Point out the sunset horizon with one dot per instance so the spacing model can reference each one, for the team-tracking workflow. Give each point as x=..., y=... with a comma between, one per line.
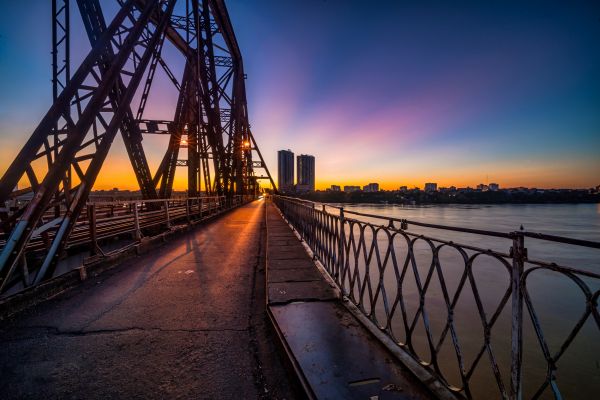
x=504, y=92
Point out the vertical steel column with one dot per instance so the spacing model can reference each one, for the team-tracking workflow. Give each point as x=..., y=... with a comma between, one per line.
x=61, y=75
x=61, y=70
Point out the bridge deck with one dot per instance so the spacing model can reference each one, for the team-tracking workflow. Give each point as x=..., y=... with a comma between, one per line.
x=185, y=321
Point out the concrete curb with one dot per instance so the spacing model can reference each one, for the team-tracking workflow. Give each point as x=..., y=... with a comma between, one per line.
x=291, y=363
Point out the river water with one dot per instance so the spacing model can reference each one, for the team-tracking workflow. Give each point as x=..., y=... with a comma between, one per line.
x=557, y=301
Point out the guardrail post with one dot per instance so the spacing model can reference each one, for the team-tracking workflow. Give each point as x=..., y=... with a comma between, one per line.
x=519, y=253
x=137, y=234
x=167, y=214
x=340, y=260
x=92, y=226
x=187, y=211
x=313, y=226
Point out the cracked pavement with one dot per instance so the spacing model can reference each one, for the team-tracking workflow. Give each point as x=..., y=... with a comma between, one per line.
x=184, y=321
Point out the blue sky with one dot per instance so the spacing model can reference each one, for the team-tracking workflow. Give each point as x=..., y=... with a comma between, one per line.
x=395, y=92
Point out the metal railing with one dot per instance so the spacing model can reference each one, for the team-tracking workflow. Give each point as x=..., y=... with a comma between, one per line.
x=107, y=219
x=435, y=299
x=118, y=225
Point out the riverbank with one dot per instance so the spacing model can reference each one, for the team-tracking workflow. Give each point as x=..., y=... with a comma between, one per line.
x=465, y=196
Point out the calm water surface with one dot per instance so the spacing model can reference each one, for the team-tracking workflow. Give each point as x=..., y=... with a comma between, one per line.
x=557, y=300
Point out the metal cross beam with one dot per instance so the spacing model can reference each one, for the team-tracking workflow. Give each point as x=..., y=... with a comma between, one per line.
x=65, y=153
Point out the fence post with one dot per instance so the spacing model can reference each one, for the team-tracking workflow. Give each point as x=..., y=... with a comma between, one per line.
x=167, y=214
x=340, y=260
x=92, y=223
x=201, y=205
x=313, y=227
x=187, y=210
x=137, y=234
x=519, y=253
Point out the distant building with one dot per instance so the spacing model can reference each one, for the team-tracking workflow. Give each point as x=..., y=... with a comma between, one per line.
x=285, y=171
x=303, y=188
x=350, y=188
x=306, y=171
x=336, y=188
x=482, y=187
x=371, y=187
x=494, y=187
x=431, y=187
x=403, y=188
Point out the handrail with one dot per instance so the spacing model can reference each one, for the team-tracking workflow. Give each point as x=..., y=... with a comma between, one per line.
x=138, y=201
x=535, y=235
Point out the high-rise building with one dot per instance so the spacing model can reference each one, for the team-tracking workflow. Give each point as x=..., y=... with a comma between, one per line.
x=306, y=171
x=431, y=187
x=285, y=171
x=371, y=187
x=336, y=188
x=494, y=187
x=351, y=188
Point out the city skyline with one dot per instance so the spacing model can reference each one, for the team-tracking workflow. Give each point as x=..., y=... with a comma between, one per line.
x=506, y=91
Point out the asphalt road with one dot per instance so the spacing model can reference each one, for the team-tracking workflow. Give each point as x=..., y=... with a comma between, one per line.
x=184, y=321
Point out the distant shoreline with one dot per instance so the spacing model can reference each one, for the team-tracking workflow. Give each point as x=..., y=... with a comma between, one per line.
x=418, y=197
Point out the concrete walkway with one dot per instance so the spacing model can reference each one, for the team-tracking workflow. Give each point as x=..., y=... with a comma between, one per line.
x=333, y=354
x=184, y=321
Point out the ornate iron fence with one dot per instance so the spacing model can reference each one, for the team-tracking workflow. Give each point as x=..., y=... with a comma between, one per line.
x=435, y=299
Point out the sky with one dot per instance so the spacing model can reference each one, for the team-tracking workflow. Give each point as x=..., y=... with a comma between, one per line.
x=394, y=92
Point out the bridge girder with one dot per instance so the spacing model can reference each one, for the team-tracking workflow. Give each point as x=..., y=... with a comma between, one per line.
x=96, y=102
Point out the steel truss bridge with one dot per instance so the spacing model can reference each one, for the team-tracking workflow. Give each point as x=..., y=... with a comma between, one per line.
x=107, y=95
x=404, y=281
